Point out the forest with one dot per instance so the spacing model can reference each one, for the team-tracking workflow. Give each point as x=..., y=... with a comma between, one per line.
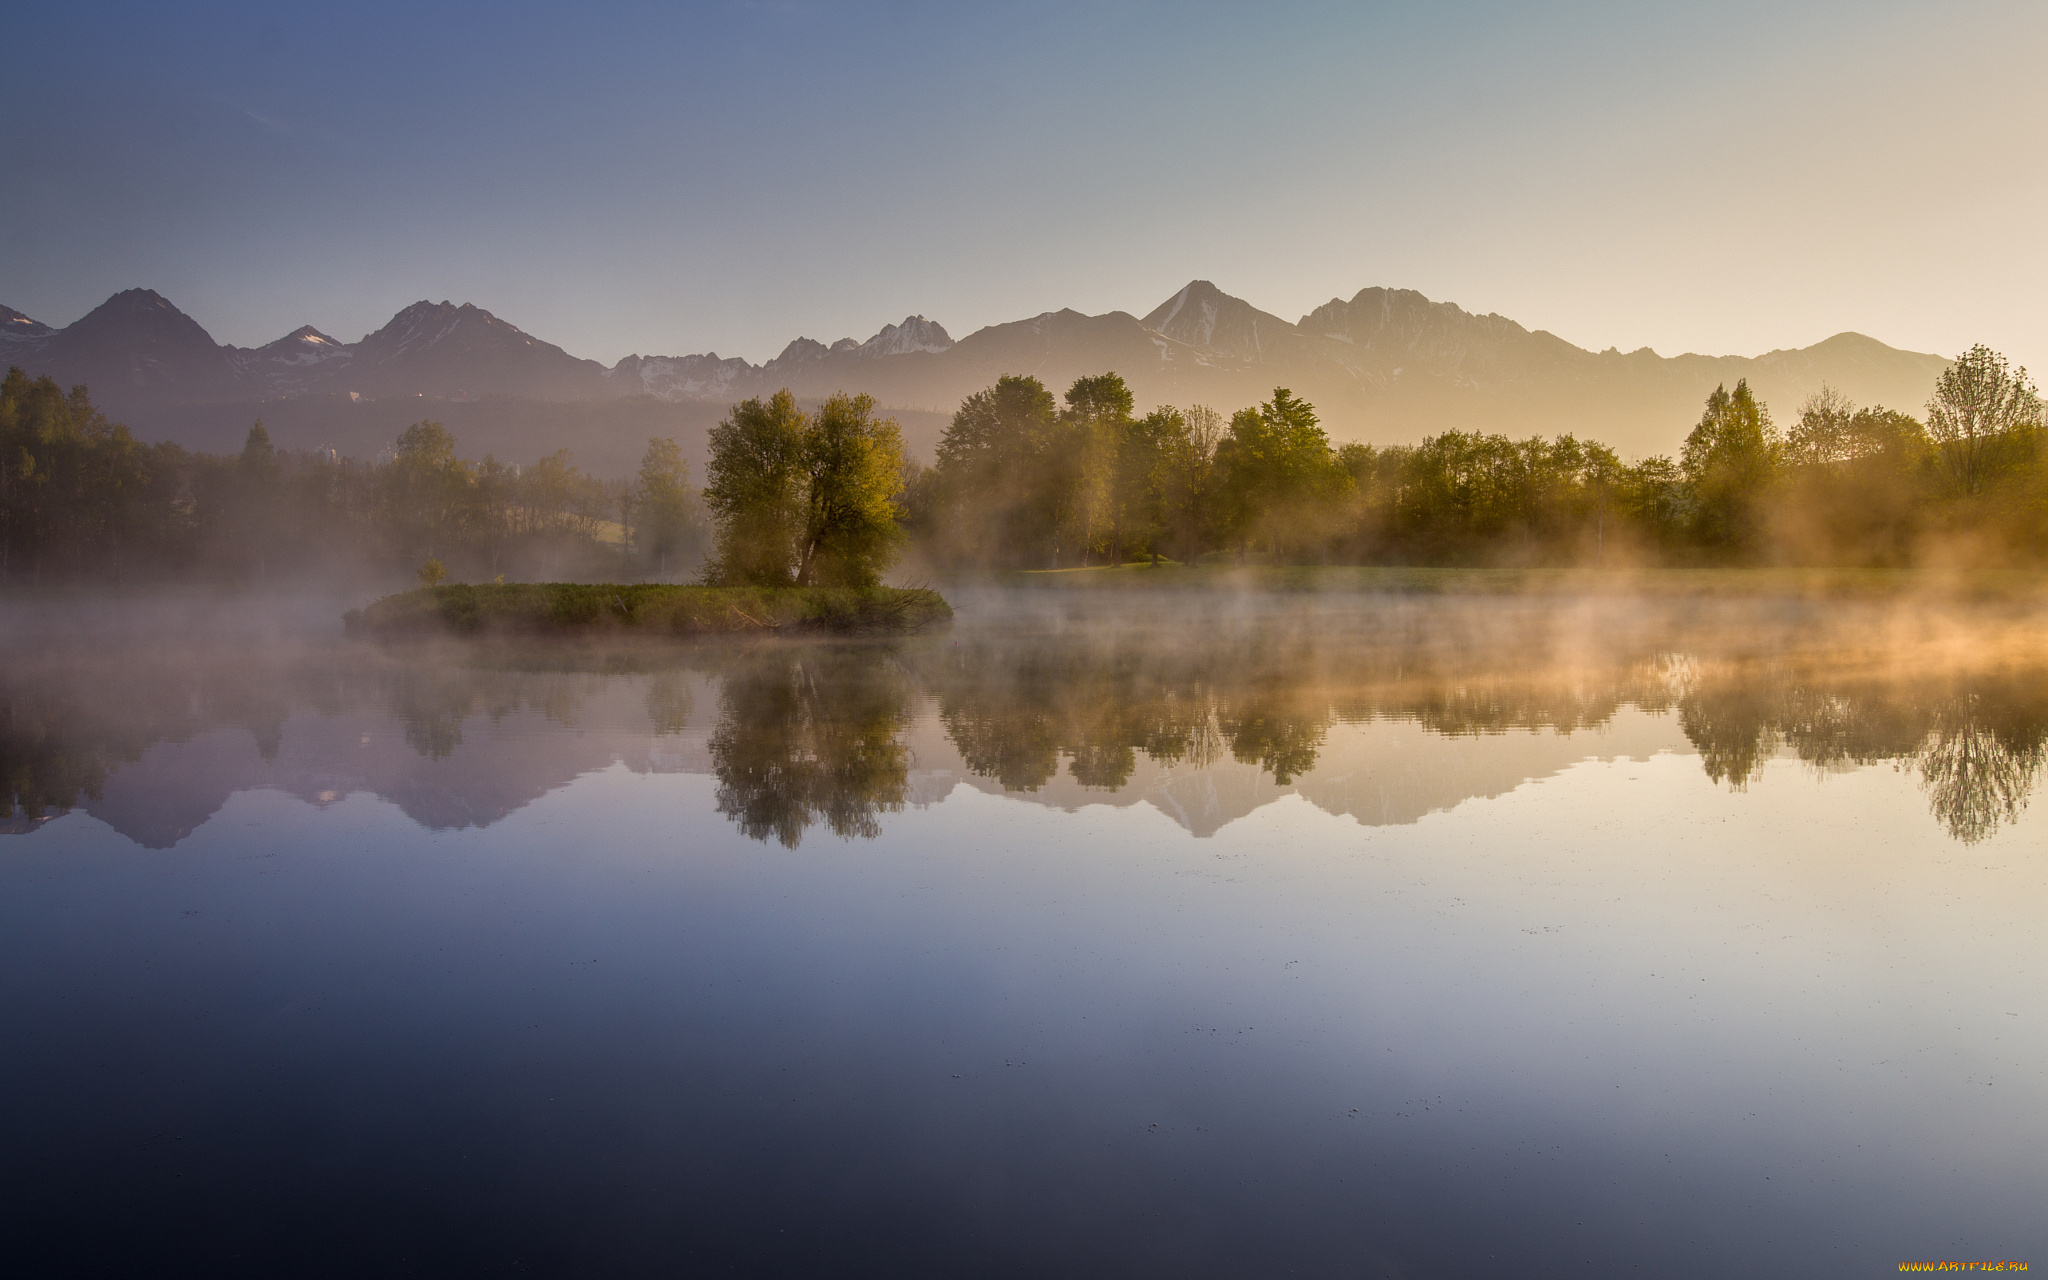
x=82, y=500
x=1023, y=482
x=1027, y=481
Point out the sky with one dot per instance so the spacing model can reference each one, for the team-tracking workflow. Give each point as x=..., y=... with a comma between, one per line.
x=1726, y=178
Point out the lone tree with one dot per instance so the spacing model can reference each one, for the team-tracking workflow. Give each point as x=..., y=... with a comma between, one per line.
x=804, y=499
x=1979, y=401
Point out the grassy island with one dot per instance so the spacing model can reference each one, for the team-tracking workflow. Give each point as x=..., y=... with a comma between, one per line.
x=653, y=609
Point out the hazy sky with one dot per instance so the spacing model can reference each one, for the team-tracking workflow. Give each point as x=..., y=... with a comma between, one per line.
x=1724, y=178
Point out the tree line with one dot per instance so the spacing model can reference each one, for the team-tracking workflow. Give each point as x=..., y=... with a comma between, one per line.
x=82, y=499
x=1024, y=480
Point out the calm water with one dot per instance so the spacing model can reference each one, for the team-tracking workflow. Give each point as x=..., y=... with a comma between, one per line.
x=1169, y=937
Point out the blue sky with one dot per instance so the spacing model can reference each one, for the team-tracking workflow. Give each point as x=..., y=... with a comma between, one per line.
x=666, y=179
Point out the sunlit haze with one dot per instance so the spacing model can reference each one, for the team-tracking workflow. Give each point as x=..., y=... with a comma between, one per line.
x=1726, y=178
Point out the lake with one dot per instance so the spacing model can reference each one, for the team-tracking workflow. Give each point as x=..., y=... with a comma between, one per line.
x=1141, y=934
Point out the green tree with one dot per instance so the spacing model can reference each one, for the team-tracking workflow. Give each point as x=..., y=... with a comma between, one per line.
x=1000, y=486
x=665, y=520
x=1731, y=462
x=1856, y=483
x=258, y=519
x=800, y=498
x=427, y=488
x=1187, y=480
x=852, y=478
x=1980, y=403
x=1097, y=422
x=756, y=494
x=79, y=496
x=1279, y=479
x=1153, y=457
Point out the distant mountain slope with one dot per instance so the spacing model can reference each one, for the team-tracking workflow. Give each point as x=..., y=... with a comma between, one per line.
x=1386, y=365
x=303, y=360
x=438, y=349
x=16, y=326
x=134, y=349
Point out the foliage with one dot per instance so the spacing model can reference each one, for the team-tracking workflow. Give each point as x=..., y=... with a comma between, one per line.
x=664, y=518
x=852, y=477
x=804, y=499
x=1022, y=480
x=1277, y=478
x=1730, y=461
x=755, y=493
x=1981, y=408
x=1001, y=486
x=79, y=496
x=80, y=499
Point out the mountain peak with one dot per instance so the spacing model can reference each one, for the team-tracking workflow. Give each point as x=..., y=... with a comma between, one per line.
x=137, y=299
x=306, y=336
x=799, y=351
x=1202, y=315
x=291, y=360
x=915, y=334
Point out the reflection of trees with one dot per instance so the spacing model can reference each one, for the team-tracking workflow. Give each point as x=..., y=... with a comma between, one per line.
x=668, y=701
x=1979, y=764
x=1281, y=740
x=811, y=735
x=1732, y=727
x=65, y=726
x=431, y=703
x=1017, y=709
x=1979, y=743
x=42, y=772
x=1021, y=708
x=1459, y=703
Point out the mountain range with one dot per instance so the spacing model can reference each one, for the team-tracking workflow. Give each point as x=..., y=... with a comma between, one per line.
x=1385, y=366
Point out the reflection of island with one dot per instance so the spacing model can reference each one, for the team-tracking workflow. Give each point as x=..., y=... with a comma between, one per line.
x=1386, y=728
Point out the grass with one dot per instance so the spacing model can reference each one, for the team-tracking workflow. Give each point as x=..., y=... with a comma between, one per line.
x=1405, y=580
x=530, y=608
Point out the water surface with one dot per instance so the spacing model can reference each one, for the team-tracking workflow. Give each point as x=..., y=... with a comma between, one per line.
x=1172, y=936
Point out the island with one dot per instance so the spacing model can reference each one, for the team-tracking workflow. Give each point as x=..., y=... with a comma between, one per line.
x=653, y=609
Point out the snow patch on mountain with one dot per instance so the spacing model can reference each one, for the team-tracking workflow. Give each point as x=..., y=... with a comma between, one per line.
x=16, y=327
x=676, y=378
x=915, y=334
x=304, y=347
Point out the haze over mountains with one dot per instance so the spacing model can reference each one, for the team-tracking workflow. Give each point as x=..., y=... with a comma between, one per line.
x=1385, y=366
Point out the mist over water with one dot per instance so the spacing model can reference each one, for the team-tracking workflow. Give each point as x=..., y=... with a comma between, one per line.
x=1101, y=933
